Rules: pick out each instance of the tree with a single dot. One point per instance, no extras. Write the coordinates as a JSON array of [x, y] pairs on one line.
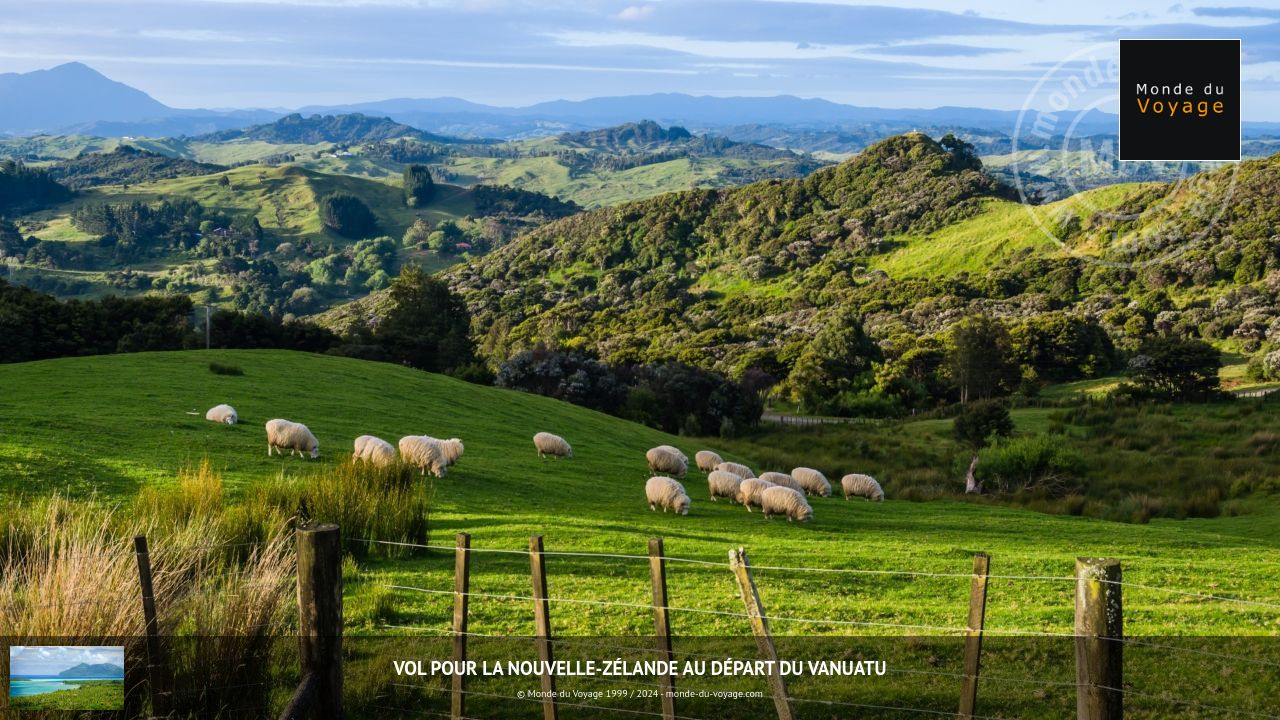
[[839, 353], [347, 215], [1174, 368], [974, 427], [427, 326], [980, 358], [418, 186]]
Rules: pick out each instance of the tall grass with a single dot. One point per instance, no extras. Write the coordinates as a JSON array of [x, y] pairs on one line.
[[223, 571]]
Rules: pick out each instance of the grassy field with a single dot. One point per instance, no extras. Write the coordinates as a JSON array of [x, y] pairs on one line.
[[105, 427], [1000, 231], [87, 695], [109, 431]]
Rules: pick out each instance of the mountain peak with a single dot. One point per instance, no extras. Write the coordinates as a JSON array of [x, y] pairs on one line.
[[69, 94]]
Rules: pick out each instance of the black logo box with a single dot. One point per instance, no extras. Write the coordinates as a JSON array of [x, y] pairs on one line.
[[1185, 65]]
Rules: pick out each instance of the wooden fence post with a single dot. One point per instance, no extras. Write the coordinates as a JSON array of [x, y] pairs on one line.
[[973, 635], [542, 627], [760, 627], [320, 617], [160, 700], [662, 625], [1099, 640], [461, 586]]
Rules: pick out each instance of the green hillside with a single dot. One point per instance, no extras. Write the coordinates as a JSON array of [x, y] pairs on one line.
[[107, 426]]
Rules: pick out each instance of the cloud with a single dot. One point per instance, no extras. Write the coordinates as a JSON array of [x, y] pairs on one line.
[[1238, 11], [937, 50], [635, 12]]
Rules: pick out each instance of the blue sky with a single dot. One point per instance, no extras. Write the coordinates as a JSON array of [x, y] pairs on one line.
[[909, 53], [53, 659]]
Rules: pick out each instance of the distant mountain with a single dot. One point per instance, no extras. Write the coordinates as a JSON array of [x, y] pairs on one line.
[[126, 165], [187, 122], [348, 128], [97, 670], [67, 95]]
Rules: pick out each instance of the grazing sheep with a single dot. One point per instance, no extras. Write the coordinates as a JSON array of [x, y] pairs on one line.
[[452, 450], [668, 494], [707, 460], [662, 459], [723, 484], [738, 469], [295, 437], [373, 450], [552, 445], [749, 492], [222, 414], [783, 479], [424, 453], [863, 486], [785, 501], [813, 482]]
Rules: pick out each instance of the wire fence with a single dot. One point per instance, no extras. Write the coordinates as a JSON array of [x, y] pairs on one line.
[[826, 624]]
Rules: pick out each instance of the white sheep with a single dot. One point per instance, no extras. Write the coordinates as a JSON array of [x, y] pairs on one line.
[[707, 460], [666, 493], [553, 445], [222, 414], [783, 479], [863, 486], [813, 482], [295, 437], [749, 491], [666, 459], [424, 453], [785, 501], [738, 469], [723, 484], [373, 450]]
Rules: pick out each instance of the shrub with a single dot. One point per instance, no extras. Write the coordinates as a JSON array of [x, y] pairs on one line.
[[1033, 463]]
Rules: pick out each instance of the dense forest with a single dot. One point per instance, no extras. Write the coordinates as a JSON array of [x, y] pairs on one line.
[[127, 165], [25, 189]]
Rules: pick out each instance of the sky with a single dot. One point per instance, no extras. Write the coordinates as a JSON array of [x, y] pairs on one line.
[[53, 659], [903, 53]]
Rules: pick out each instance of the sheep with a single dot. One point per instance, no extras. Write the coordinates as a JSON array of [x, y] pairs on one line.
[[373, 450], [222, 414], [452, 450], [666, 493], [723, 484], [552, 445], [424, 453], [813, 482], [863, 486], [749, 491], [663, 459], [783, 479], [707, 460], [738, 469], [295, 437], [785, 501]]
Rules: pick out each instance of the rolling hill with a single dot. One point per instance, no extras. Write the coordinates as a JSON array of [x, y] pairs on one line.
[[906, 234]]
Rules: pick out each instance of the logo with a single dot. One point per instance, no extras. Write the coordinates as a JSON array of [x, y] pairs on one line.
[[1180, 100]]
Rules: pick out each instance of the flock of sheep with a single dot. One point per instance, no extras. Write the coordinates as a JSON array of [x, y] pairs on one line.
[[775, 493], [426, 453]]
